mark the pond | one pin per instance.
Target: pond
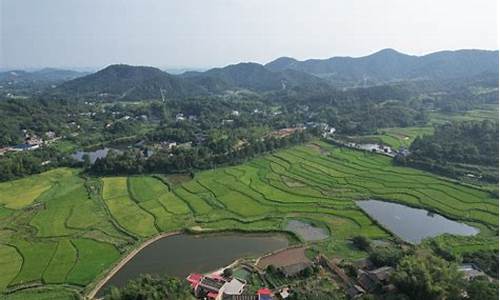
(93, 155)
(102, 153)
(412, 224)
(182, 254)
(307, 231)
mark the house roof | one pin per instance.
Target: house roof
(234, 287)
(211, 284)
(216, 277)
(194, 277)
(264, 291)
(470, 271)
(382, 273)
(367, 282)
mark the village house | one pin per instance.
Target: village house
(375, 279)
(470, 271)
(285, 293)
(215, 286)
(264, 294)
(50, 134)
(165, 145)
(403, 152)
(180, 117)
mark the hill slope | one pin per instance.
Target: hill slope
(390, 65)
(129, 82)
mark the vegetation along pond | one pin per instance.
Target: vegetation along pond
(182, 254)
(412, 224)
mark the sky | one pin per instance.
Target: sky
(209, 33)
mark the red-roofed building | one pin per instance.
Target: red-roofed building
(265, 294)
(194, 279)
(216, 277)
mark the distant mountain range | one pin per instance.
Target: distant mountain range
(389, 65)
(285, 73)
(43, 75)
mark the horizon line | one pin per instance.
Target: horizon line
(202, 68)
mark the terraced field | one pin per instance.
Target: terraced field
(400, 137)
(60, 237)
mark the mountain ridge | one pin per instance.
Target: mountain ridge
(389, 64)
(123, 81)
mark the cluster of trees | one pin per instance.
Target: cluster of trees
(430, 271)
(454, 145)
(487, 260)
(151, 288)
(187, 160)
(15, 165)
(426, 276)
(37, 116)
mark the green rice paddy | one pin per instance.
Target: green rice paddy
(59, 232)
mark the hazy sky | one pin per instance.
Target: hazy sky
(202, 33)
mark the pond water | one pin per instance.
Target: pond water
(412, 224)
(182, 254)
(306, 231)
(93, 155)
(101, 153)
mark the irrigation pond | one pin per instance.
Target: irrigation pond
(412, 224)
(182, 254)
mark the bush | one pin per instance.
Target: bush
(361, 242)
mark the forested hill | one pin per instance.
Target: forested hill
(138, 82)
(128, 82)
(256, 77)
(390, 65)
(285, 74)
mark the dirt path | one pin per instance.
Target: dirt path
(117, 267)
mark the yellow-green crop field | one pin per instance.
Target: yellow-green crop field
(60, 231)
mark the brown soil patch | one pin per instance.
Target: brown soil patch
(284, 258)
